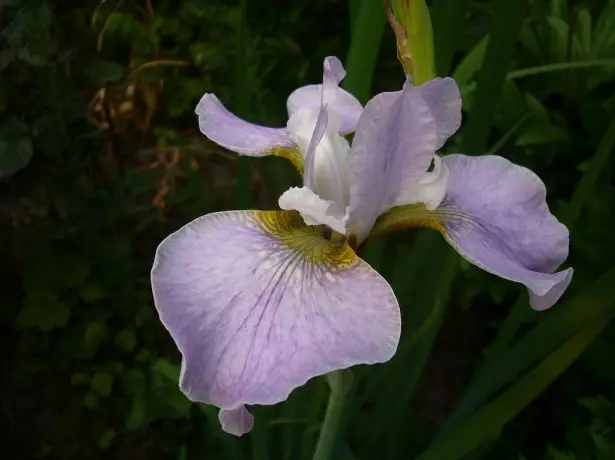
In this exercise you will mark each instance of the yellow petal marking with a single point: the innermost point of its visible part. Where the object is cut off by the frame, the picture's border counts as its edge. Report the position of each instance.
(289, 228)
(291, 154)
(412, 216)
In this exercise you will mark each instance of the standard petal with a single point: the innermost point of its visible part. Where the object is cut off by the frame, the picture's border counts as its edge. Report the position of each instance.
(343, 105)
(444, 100)
(495, 214)
(238, 135)
(258, 303)
(393, 147)
(238, 421)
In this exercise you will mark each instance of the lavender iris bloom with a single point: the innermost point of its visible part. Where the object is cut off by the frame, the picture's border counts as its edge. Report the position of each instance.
(259, 302)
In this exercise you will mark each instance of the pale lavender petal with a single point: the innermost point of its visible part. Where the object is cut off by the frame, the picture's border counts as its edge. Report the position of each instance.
(343, 105)
(496, 216)
(238, 135)
(444, 100)
(238, 421)
(333, 71)
(258, 304)
(393, 147)
(309, 176)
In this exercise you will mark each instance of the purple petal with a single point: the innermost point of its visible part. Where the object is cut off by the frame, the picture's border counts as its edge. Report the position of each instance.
(393, 146)
(339, 102)
(258, 304)
(238, 135)
(498, 219)
(238, 421)
(442, 96)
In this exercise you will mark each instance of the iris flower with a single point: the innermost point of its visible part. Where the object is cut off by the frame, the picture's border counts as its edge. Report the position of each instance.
(259, 302)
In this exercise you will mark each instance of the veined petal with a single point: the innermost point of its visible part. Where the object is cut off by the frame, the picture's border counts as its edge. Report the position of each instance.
(393, 146)
(444, 100)
(258, 303)
(245, 138)
(238, 421)
(496, 216)
(343, 105)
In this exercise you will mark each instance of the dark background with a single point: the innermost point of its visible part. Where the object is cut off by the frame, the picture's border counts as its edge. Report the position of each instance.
(101, 158)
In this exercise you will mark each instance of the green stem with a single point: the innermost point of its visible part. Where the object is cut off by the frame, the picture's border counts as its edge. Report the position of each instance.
(338, 383)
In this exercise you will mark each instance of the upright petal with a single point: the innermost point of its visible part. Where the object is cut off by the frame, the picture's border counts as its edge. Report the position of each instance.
(444, 100)
(496, 216)
(240, 136)
(393, 147)
(343, 105)
(258, 304)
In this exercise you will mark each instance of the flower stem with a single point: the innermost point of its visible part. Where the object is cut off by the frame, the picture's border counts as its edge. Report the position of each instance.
(339, 383)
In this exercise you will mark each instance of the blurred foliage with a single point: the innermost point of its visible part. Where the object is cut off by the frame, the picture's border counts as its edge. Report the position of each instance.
(100, 158)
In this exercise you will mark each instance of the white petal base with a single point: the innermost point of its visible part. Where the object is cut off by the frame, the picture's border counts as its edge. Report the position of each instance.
(313, 209)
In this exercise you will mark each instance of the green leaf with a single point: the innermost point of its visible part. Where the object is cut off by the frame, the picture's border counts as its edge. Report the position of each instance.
(91, 292)
(471, 63)
(43, 309)
(91, 400)
(508, 17)
(541, 133)
(364, 48)
(556, 326)
(104, 442)
(136, 417)
(166, 369)
(15, 147)
(126, 339)
(585, 187)
(94, 333)
(489, 420)
(102, 383)
(449, 21)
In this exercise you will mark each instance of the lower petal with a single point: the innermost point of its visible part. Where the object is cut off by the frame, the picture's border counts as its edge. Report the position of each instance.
(258, 304)
(495, 214)
(238, 421)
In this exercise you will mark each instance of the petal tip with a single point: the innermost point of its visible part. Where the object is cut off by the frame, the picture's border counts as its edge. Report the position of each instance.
(237, 422)
(206, 102)
(547, 300)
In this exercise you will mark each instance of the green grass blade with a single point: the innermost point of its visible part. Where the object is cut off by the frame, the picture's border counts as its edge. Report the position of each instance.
(508, 17)
(560, 67)
(489, 421)
(243, 190)
(448, 22)
(467, 88)
(558, 325)
(471, 63)
(364, 47)
(585, 187)
(423, 289)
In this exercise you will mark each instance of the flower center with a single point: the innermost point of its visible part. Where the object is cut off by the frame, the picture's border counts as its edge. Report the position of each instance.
(330, 156)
